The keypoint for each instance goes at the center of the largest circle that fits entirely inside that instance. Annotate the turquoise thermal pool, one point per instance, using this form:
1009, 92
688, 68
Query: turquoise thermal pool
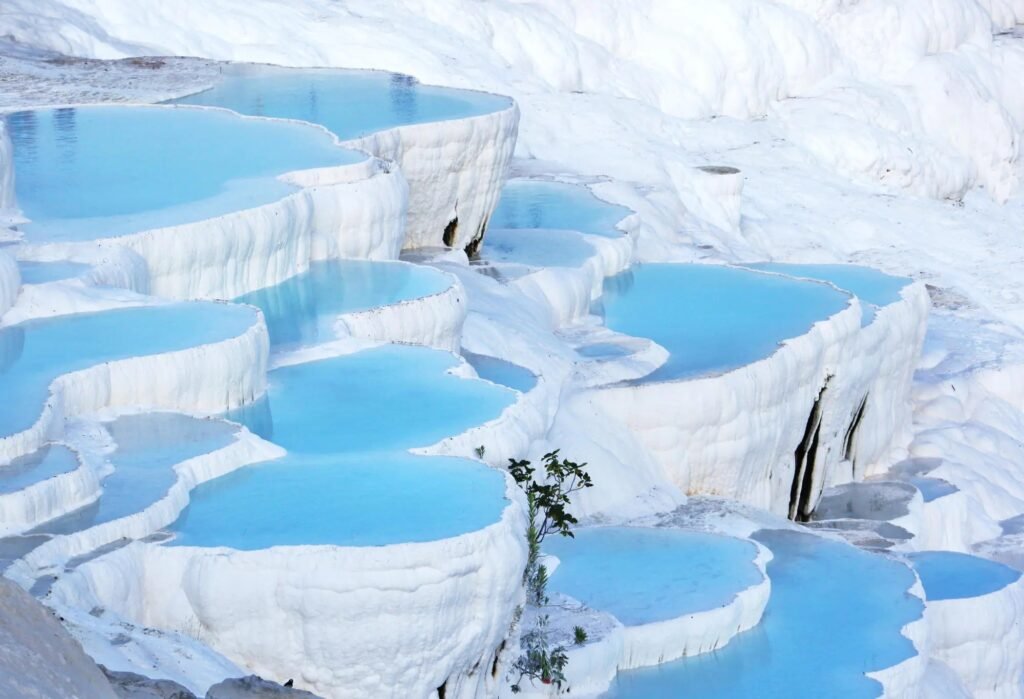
348, 479
536, 248
643, 575
350, 103
34, 353
875, 289
304, 309
84, 173
556, 205
835, 613
49, 462
946, 575
719, 318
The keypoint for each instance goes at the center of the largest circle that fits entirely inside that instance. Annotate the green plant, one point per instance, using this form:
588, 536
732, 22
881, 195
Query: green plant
480, 451
547, 500
579, 634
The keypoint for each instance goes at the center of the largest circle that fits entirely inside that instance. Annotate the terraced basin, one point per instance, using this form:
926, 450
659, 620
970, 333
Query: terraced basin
34, 353
348, 479
874, 288
835, 613
713, 318
349, 103
556, 205
304, 309
84, 173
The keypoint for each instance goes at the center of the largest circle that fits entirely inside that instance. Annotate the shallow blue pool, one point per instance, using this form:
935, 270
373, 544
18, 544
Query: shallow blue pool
42, 272
48, 462
34, 353
556, 205
642, 575
501, 372
148, 447
350, 103
553, 248
347, 479
932, 488
835, 613
948, 575
875, 289
713, 318
91, 172
303, 309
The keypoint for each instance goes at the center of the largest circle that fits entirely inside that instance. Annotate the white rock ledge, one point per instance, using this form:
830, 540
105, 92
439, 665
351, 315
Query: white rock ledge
436, 613
433, 321
734, 434
455, 169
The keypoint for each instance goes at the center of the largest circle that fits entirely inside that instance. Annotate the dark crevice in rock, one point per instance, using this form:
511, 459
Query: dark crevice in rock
473, 247
442, 690
850, 441
450, 231
804, 459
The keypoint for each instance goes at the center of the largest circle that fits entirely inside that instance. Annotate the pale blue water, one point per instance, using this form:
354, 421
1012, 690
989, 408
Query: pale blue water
713, 318
91, 172
536, 248
42, 272
602, 350
34, 353
303, 309
501, 372
643, 575
932, 488
349, 103
48, 462
835, 613
539, 204
148, 447
875, 289
948, 575
347, 479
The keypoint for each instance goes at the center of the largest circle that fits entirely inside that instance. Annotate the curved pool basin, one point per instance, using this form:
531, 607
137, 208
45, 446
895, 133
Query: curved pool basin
303, 309
536, 248
643, 575
835, 613
350, 103
501, 372
348, 479
49, 462
948, 575
34, 353
719, 318
555, 205
84, 173
43, 272
874, 288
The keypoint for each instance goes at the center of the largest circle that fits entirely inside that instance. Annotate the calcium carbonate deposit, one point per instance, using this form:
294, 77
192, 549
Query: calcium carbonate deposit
451, 349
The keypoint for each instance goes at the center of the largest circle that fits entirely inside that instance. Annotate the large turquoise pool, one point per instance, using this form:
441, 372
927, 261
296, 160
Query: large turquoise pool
948, 575
34, 353
641, 575
92, 172
348, 102
713, 318
835, 613
348, 480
